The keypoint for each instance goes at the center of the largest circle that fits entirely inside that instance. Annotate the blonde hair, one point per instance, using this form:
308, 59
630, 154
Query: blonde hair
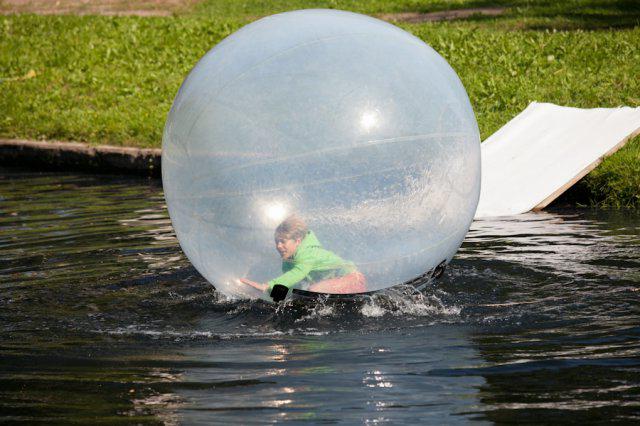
292, 228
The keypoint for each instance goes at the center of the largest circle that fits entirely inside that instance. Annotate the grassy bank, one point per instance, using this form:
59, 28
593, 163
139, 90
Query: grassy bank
112, 79
97, 79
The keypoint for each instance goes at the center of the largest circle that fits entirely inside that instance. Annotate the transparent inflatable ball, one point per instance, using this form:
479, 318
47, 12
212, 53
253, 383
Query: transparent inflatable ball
320, 152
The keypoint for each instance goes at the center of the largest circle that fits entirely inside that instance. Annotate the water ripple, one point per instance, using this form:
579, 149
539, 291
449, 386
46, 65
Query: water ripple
537, 315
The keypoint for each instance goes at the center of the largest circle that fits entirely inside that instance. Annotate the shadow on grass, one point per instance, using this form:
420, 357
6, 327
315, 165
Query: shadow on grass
518, 14
565, 15
614, 183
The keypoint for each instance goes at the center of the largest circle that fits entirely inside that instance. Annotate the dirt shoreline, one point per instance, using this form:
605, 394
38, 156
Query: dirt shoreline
77, 156
172, 7
97, 7
443, 15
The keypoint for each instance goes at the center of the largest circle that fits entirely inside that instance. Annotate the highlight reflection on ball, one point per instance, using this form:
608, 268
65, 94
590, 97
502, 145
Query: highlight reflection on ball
346, 121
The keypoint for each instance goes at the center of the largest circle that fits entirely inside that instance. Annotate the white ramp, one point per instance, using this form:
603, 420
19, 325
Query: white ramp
545, 150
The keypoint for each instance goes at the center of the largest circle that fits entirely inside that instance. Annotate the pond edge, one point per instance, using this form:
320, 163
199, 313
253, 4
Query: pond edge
72, 156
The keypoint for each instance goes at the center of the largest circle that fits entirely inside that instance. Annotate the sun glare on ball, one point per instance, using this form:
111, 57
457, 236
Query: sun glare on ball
369, 120
275, 212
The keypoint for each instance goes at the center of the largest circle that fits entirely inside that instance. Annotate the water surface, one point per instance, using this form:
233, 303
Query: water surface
103, 320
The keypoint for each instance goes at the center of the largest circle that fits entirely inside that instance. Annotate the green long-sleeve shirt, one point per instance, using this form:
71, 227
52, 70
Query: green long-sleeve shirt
312, 263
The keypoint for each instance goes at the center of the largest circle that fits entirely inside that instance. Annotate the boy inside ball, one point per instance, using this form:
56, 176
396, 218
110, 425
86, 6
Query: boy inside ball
305, 261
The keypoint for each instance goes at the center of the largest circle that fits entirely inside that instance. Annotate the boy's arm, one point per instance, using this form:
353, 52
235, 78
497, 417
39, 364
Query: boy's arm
292, 277
258, 286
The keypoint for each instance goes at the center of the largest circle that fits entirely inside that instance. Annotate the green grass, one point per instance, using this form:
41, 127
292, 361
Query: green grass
98, 79
504, 71
112, 79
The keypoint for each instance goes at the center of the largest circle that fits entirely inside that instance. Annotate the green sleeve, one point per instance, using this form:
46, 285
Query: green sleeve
292, 277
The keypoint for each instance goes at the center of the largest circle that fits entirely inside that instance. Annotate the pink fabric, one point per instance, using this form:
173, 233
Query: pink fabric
354, 282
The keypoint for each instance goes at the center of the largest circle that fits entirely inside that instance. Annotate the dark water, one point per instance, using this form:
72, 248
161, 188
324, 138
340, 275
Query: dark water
103, 320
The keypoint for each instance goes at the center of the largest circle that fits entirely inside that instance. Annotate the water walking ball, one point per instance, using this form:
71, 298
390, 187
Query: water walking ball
349, 123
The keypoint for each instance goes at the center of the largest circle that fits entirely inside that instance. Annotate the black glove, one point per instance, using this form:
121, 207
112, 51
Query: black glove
279, 292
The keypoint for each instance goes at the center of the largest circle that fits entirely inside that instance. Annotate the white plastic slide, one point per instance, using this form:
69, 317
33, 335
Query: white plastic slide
546, 149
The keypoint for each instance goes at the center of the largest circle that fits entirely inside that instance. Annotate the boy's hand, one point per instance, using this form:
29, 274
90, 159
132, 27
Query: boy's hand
259, 286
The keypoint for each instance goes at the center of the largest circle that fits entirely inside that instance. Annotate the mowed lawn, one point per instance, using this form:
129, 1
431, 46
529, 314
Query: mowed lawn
106, 79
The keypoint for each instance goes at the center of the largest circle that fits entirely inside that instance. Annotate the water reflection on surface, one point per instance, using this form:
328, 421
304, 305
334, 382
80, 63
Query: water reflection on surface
103, 318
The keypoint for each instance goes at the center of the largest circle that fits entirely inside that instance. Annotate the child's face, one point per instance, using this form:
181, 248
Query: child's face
287, 247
